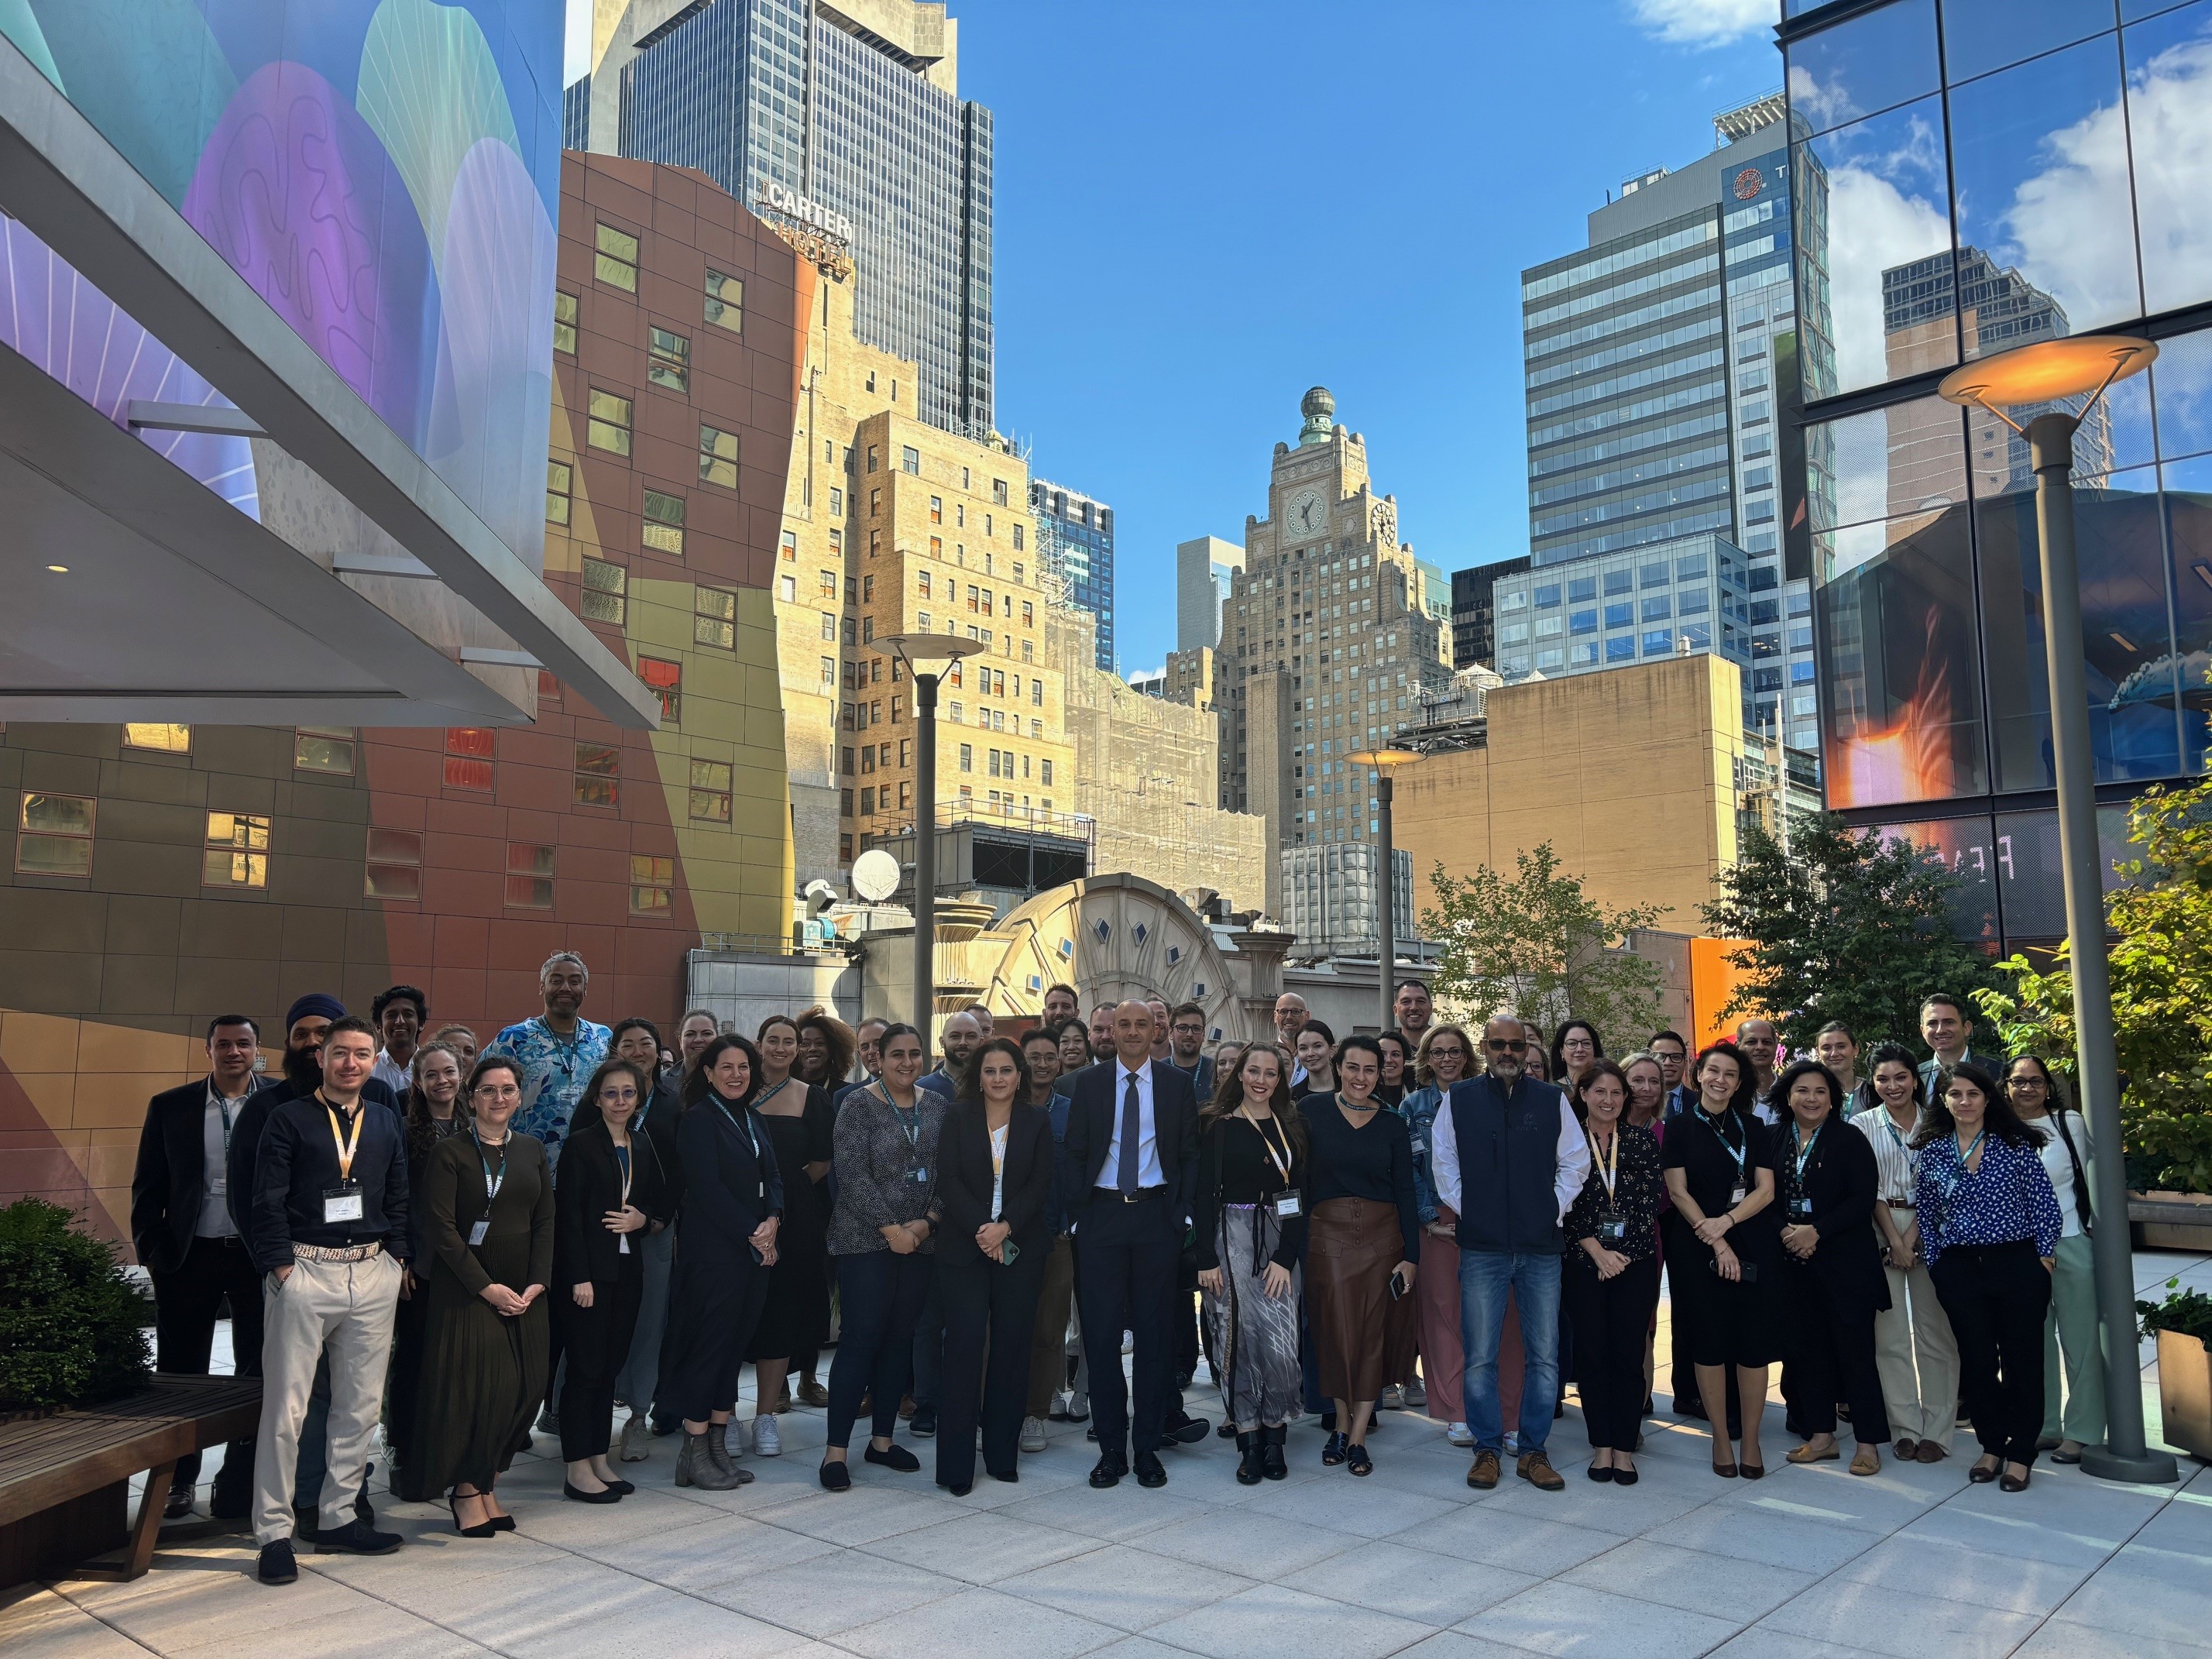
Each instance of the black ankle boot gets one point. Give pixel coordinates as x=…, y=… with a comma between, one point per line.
x=1250, y=1465
x=1270, y=1452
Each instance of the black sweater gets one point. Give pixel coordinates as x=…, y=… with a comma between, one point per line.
x=1375, y=1161
x=1234, y=1168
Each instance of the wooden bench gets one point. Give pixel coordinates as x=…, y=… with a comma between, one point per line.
x=66, y=1479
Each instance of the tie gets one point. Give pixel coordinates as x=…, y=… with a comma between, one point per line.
x=1125, y=1178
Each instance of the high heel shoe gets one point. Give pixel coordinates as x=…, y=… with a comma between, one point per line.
x=482, y=1530
x=1753, y=1471
x=1726, y=1471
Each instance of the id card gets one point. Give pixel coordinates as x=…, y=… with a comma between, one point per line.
x=1286, y=1206
x=1736, y=1195
x=1801, y=1209
x=1420, y=1147
x=621, y=1244
x=479, y=1233
x=1611, y=1229
x=342, y=1202
x=920, y=1178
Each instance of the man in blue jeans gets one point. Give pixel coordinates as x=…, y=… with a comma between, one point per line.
x=1524, y=1162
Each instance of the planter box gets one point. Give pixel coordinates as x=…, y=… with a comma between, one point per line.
x=2170, y=1221
x=2184, y=1392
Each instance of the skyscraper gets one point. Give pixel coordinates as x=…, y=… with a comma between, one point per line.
x=1075, y=547
x=1203, y=568
x=847, y=118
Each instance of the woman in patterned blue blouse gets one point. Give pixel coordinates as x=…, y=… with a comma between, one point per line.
x=1989, y=1229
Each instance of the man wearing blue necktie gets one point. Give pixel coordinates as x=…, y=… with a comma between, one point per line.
x=1132, y=1151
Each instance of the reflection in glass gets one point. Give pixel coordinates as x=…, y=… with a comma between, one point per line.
x=1981, y=35
x=1903, y=704
x=1907, y=457
x=2031, y=872
x=1863, y=66
x=2126, y=643
x=1966, y=849
x=2188, y=500
x=1874, y=229
x=2169, y=68
x=2181, y=390
x=2039, y=168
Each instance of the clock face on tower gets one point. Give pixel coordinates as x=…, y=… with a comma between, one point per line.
x=1307, y=514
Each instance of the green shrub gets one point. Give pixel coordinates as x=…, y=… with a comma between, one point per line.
x=2187, y=1313
x=71, y=1325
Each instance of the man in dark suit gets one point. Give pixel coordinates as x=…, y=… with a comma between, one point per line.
x=181, y=1227
x=1133, y=1166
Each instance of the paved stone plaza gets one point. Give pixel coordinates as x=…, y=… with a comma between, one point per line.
x=1806, y=1562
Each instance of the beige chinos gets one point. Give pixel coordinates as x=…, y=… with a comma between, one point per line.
x=347, y=1308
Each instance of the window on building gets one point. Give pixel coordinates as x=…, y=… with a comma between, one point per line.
x=237, y=851
x=668, y=359
x=528, y=875
x=469, y=757
x=608, y=426
x=614, y=260
x=565, y=321
x=394, y=865
x=910, y=461
x=786, y=587
x=829, y=670
x=998, y=492
x=936, y=516
x=664, y=679
x=651, y=884
x=1619, y=615
x=54, y=834
x=663, y=523
x=871, y=448
x=1017, y=547
x=606, y=588
x=558, y=476
x=1621, y=648
x=598, y=771
x=1044, y=773
x=323, y=748
x=726, y=301
x=718, y=456
x=162, y=739
x=715, y=615
x=967, y=756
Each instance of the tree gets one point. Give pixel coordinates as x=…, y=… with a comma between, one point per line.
x=2161, y=970
x=1538, y=947
x=1847, y=926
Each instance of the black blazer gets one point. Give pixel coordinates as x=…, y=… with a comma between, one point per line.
x=963, y=1179
x=585, y=1186
x=1841, y=1178
x=169, y=1184
x=1092, y=1112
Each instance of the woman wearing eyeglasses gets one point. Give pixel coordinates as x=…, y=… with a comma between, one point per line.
x=2072, y=1325
x=1610, y=1283
x=1576, y=1050
x=489, y=1195
x=1446, y=1055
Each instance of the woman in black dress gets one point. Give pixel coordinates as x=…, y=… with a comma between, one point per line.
x=434, y=1110
x=995, y=1158
x=489, y=1197
x=1724, y=1236
x=1825, y=1180
x=610, y=1190
x=794, y=1320
x=725, y=1245
x=1609, y=1284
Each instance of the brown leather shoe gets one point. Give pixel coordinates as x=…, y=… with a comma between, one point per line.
x=1929, y=1452
x=811, y=1392
x=1869, y=1462
x=1536, y=1469
x=1482, y=1475
x=1907, y=1448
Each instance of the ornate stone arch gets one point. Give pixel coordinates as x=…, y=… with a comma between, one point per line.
x=1111, y=937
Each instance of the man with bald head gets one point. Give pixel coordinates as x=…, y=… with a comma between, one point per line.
x=1760, y=1042
x=1290, y=1018
x=1132, y=1154
x=963, y=1034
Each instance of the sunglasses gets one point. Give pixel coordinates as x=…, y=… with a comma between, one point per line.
x=1502, y=1046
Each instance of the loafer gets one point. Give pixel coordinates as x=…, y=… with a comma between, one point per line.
x=897, y=1458
x=1151, y=1471
x=1805, y=1453
x=1189, y=1432
x=811, y=1392
x=277, y=1565
x=1929, y=1452
x=835, y=1476
x=1906, y=1447
x=1867, y=1462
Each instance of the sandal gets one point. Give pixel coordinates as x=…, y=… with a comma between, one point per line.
x=1332, y=1450
x=1357, y=1460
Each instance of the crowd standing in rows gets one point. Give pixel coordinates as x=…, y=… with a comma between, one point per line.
x=457, y=1241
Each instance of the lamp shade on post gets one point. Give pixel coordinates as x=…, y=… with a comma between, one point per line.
x=926, y=656
x=1386, y=920
x=2042, y=374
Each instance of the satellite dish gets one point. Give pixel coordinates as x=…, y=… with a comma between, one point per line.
x=875, y=875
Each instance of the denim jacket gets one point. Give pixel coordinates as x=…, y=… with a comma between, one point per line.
x=1420, y=1109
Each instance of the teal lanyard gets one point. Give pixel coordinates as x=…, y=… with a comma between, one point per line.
x=745, y=1129
x=1804, y=1151
x=1736, y=1152
x=491, y=1186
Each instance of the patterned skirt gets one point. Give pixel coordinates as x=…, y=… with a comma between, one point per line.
x=1254, y=1336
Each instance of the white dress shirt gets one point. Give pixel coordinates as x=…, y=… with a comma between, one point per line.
x=1570, y=1171
x=1148, y=1139
x=214, y=1220
x=389, y=1071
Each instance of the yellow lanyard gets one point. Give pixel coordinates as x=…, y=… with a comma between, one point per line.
x=1608, y=1163
x=346, y=1147
x=1268, y=1141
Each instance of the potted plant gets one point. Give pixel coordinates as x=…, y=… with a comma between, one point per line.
x=2182, y=1324
x=72, y=1328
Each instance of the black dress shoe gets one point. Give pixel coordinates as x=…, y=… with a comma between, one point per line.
x=357, y=1538
x=1108, y=1470
x=178, y=1504
x=1150, y=1470
x=278, y=1566
x=898, y=1457
x=1012, y=1477
x=622, y=1487
x=576, y=1494
x=959, y=1491
x=228, y=1502
x=1189, y=1431
x=923, y=1422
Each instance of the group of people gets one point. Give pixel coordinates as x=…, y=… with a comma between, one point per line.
x=457, y=1241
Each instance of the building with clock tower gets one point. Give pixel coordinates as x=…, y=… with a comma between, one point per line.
x=1326, y=647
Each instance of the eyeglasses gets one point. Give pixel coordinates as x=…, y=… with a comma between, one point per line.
x=1503, y=1046
x=2035, y=1084
x=497, y=1092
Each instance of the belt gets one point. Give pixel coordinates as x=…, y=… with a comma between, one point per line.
x=1898, y=1203
x=327, y=1253
x=1137, y=1197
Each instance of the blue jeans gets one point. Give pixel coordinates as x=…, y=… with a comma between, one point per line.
x=1485, y=1277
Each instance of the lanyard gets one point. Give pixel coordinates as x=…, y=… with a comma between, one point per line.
x=491, y=1186
x=637, y=1118
x=1735, y=1151
x=909, y=1123
x=751, y=1139
x=1609, y=1165
x=346, y=1147
x=1964, y=1167
x=223, y=1104
x=621, y=1158
x=1804, y=1151
x=1278, y=1159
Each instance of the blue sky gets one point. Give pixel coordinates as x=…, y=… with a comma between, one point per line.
x=1204, y=207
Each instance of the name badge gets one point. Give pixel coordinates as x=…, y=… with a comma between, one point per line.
x=621, y=1244
x=1801, y=1209
x=342, y=1202
x=920, y=1178
x=1420, y=1147
x=1612, y=1229
x=1736, y=1195
x=479, y=1233
x=1286, y=1206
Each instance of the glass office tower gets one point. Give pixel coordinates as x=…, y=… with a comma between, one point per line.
x=1975, y=175
x=1075, y=546
x=759, y=92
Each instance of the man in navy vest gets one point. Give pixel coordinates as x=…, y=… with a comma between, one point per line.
x=1509, y=1159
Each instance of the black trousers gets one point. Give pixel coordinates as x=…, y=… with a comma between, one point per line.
x=1830, y=1357
x=1682, y=1260
x=879, y=1297
x=1996, y=1297
x=990, y=1314
x=597, y=1341
x=1609, y=1318
x=186, y=1302
x=1125, y=1274
x=721, y=1292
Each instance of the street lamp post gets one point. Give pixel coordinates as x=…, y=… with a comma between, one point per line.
x=2044, y=374
x=926, y=656
x=1383, y=759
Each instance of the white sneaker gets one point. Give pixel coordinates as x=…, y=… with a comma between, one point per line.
x=766, y=1441
x=1460, y=1435
x=636, y=1440
x=1033, y=1434
x=1512, y=1443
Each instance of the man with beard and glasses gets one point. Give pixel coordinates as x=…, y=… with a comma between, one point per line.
x=399, y=1013
x=558, y=1051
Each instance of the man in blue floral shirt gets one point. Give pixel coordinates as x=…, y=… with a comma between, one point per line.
x=559, y=1051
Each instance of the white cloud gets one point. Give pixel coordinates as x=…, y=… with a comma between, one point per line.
x=2170, y=110
x=576, y=53
x=1705, y=23
x=1874, y=222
